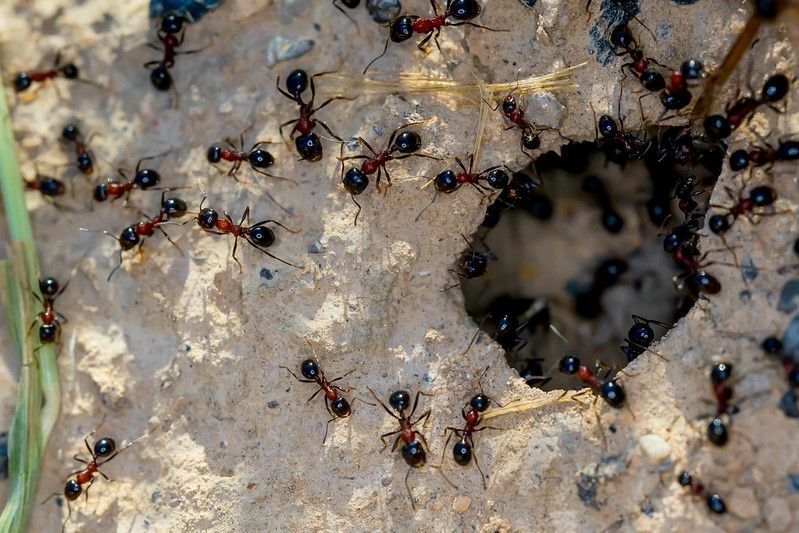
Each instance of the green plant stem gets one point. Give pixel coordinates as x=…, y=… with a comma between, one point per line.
x=39, y=392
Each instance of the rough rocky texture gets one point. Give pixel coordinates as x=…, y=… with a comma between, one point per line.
x=188, y=348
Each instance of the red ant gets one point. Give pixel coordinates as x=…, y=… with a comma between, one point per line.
x=413, y=449
x=719, y=378
x=609, y=390
x=471, y=264
x=24, y=80
x=762, y=196
x=449, y=181
x=719, y=127
x=695, y=279
x=676, y=95
x=51, y=320
x=639, y=66
x=258, y=235
x=714, y=502
x=530, y=139
x=619, y=145
x=402, y=28
x=336, y=404
x=49, y=187
x=463, y=452
x=171, y=25
x=144, y=178
x=357, y=179
x=308, y=144
x=83, y=158
x=758, y=156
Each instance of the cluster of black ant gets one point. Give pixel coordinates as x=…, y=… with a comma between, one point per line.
x=672, y=147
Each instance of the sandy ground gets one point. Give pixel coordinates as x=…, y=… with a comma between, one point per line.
x=188, y=348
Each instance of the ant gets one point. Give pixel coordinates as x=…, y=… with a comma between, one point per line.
x=695, y=279
x=609, y=390
x=83, y=158
x=402, y=28
x=257, y=235
x=639, y=66
x=463, y=451
x=530, y=139
x=773, y=346
x=640, y=336
x=450, y=181
x=719, y=127
x=23, y=80
x=144, y=178
x=357, y=179
x=676, y=95
x=471, y=264
x=308, y=144
x=171, y=26
x=762, y=196
x=50, y=328
x=588, y=302
x=336, y=404
x=719, y=378
x=619, y=145
x=684, y=191
x=413, y=449
x=49, y=187
x=714, y=502
x=758, y=156
x=611, y=219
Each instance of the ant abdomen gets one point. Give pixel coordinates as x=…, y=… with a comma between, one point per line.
x=408, y=142
x=207, y=218
x=146, y=178
x=72, y=490
x=355, y=181
x=70, y=71
x=161, y=78
x=22, y=81
x=341, y=407
x=260, y=158
x=446, y=181
x=462, y=453
x=262, y=236
x=464, y=9
x=48, y=333
x=613, y=393
x=413, y=452
x=105, y=447
x=309, y=147
x=174, y=207
x=775, y=88
x=128, y=239
x=401, y=29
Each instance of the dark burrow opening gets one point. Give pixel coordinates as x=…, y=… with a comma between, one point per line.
x=576, y=242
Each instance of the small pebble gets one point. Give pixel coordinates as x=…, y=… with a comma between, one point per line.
x=174, y=502
x=461, y=504
x=272, y=404
x=316, y=247
x=382, y=11
x=283, y=49
x=266, y=273
x=655, y=447
x=548, y=111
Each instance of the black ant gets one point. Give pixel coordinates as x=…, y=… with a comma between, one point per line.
x=171, y=26
x=258, y=235
x=609, y=390
x=308, y=144
x=758, y=156
x=720, y=126
x=402, y=28
x=641, y=336
x=762, y=196
x=773, y=346
x=336, y=404
x=463, y=451
x=612, y=221
x=619, y=145
x=449, y=181
x=719, y=378
x=714, y=502
x=588, y=302
x=83, y=158
x=46, y=185
x=530, y=139
x=471, y=264
x=50, y=328
x=357, y=179
x=639, y=66
x=675, y=95
x=413, y=448
x=695, y=279
x=144, y=178
x=685, y=193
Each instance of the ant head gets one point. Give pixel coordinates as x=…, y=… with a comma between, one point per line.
x=446, y=181
x=174, y=207
x=101, y=192
x=506, y=324
x=21, y=82
x=262, y=236
x=51, y=187
x=569, y=364
x=652, y=80
x=340, y=407
x=498, y=178
x=771, y=345
x=48, y=333
x=612, y=221
x=214, y=154
x=129, y=238
x=607, y=126
x=718, y=224
x=788, y=151
x=70, y=71
x=105, y=447
x=464, y=9
x=161, y=78
x=355, y=181
x=763, y=196
x=622, y=37
x=462, y=452
x=207, y=218
x=146, y=178
x=473, y=265
x=400, y=400
x=684, y=478
x=71, y=132
x=297, y=82
x=717, y=127
x=613, y=393
x=172, y=23
x=309, y=369
x=692, y=69
x=716, y=504
x=72, y=490
x=480, y=402
x=352, y=4
x=717, y=432
x=85, y=163
x=401, y=29
x=509, y=104
x=260, y=158
x=48, y=286
x=775, y=88
x=531, y=140
x=702, y=282
x=414, y=454
x=309, y=147
x=641, y=334
x=408, y=142
x=721, y=372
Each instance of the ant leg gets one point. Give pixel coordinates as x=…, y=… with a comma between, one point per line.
x=327, y=428
x=424, y=441
x=384, y=406
x=173, y=243
x=335, y=4
x=327, y=129
x=235, y=246
x=343, y=376
x=80, y=460
x=408, y=488
x=477, y=463
x=383, y=438
x=272, y=221
x=292, y=129
x=273, y=176
x=450, y=431
x=425, y=416
x=314, y=396
x=460, y=164
x=357, y=212
x=424, y=41
x=330, y=100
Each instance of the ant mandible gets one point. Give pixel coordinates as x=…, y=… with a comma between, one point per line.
x=719, y=127
x=336, y=404
x=51, y=320
x=413, y=449
x=641, y=336
x=402, y=28
x=144, y=178
x=308, y=144
x=714, y=502
x=171, y=26
x=257, y=235
x=463, y=451
x=83, y=158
